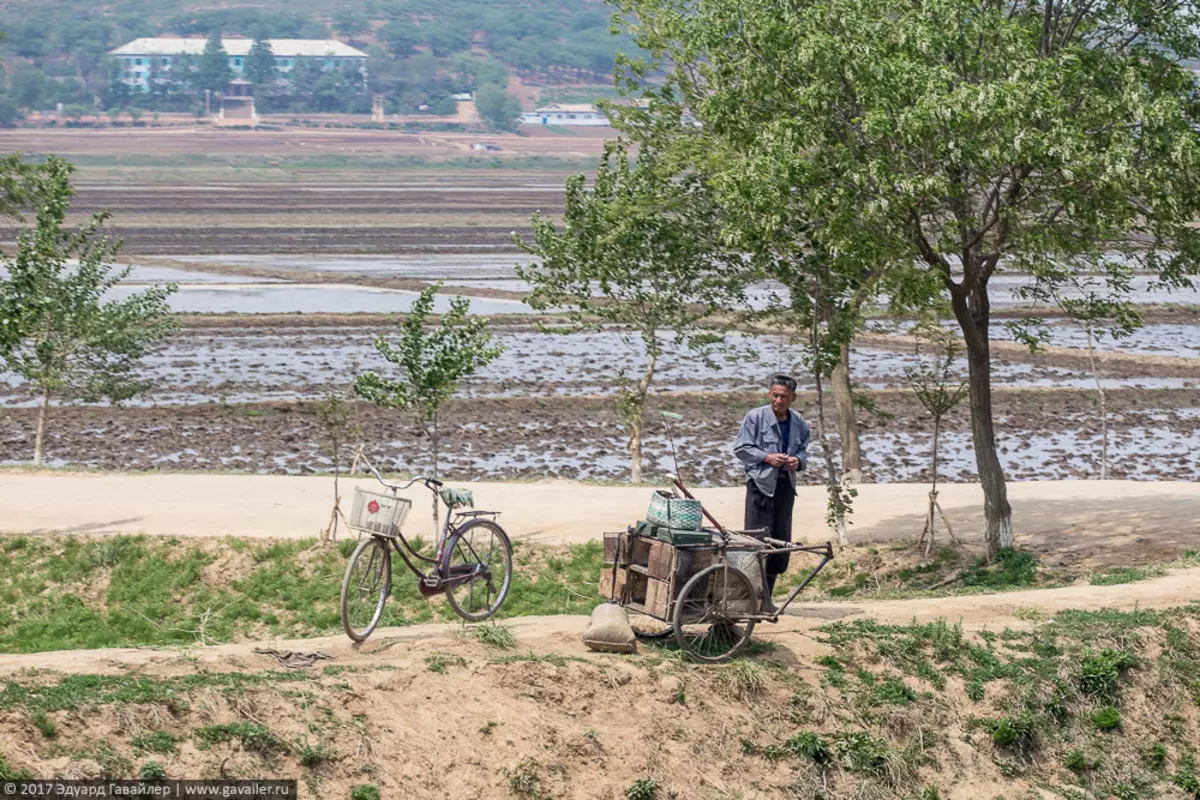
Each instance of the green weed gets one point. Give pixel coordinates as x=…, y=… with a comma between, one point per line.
x=525, y=780
x=45, y=724
x=642, y=789
x=1011, y=568
x=364, y=791
x=253, y=736
x=499, y=636
x=1107, y=718
x=161, y=742
x=152, y=771
x=438, y=662
x=8, y=773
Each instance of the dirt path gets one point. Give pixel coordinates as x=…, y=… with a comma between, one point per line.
x=1098, y=515
x=560, y=634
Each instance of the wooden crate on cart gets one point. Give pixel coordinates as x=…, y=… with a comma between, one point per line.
x=645, y=573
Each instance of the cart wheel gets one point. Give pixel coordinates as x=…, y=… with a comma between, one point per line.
x=649, y=628
x=711, y=613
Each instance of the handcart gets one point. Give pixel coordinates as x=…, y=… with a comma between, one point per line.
x=705, y=588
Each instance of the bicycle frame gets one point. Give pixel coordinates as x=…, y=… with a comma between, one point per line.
x=432, y=582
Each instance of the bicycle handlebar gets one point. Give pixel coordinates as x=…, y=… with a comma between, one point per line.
x=431, y=484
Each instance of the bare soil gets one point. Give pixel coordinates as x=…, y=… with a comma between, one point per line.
x=430, y=712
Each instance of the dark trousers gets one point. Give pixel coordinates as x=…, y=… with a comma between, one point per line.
x=774, y=514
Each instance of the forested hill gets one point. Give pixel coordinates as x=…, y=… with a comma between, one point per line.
x=54, y=50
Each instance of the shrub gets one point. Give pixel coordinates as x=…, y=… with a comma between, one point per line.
x=642, y=789
x=808, y=745
x=1100, y=673
x=1012, y=732
x=364, y=791
x=1107, y=718
x=152, y=771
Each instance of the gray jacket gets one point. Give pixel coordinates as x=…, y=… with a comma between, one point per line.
x=759, y=437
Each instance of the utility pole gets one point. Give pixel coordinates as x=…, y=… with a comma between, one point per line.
x=208, y=102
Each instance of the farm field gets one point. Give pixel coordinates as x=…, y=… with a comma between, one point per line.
x=171, y=540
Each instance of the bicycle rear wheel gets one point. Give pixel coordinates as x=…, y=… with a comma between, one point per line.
x=480, y=549
x=710, y=614
x=366, y=587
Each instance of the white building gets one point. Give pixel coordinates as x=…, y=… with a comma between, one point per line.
x=556, y=114
x=142, y=57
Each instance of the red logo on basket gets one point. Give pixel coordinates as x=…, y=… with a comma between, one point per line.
x=373, y=506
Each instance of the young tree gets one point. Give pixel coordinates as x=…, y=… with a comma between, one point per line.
x=432, y=361
x=957, y=136
x=498, y=108
x=57, y=329
x=213, y=72
x=639, y=249
x=939, y=390
x=337, y=417
x=260, y=65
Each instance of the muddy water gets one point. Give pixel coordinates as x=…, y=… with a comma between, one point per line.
x=252, y=364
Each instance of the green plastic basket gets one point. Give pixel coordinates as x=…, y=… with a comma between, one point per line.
x=679, y=513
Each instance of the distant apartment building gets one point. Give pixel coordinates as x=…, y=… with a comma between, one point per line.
x=143, y=57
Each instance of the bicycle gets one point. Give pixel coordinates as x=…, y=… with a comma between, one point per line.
x=472, y=563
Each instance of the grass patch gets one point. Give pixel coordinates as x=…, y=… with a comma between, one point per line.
x=364, y=791
x=498, y=636
x=162, y=742
x=439, y=662
x=152, y=771
x=67, y=592
x=253, y=736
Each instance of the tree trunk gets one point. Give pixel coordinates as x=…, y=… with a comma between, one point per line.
x=843, y=402
x=1103, y=406
x=937, y=429
x=972, y=317
x=434, y=440
x=41, y=428
x=635, y=411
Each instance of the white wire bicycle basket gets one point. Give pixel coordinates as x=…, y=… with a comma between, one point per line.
x=378, y=513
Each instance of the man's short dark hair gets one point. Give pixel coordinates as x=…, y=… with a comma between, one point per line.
x=784, y=381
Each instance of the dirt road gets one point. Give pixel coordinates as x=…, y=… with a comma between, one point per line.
x=1112, y=514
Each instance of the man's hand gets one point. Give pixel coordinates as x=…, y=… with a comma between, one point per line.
x=793, y=463
x=777, y=460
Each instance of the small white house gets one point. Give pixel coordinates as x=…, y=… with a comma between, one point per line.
x=558, y=114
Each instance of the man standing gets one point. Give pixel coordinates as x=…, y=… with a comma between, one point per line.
x=772, y=445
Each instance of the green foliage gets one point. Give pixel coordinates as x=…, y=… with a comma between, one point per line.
x=1077, y=761
x=152, y=771
x=1010, y=568
x=1016, y=732
x=642, y=789
x=57, y=331
x=1107, y=718
x=499, y=109
x=163, y=742
x=808, y=745
x=640, y=248
x=499, y=636
x=1155, y=756
x=1100, y=673
x=8, y=773
x=525, y=781
x=313, y=756
x=45, y=724
x=213, y=71
x=1185, y=776
x=260, y=64
x=431, y=362
x=253, y=736
x=935, y=142
x=364, y=791
x=438, y=662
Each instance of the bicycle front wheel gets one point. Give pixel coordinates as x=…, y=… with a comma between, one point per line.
x=366, y=587
x=480, y=549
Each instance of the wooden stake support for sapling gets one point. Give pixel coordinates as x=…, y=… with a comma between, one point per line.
x=939, y=391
